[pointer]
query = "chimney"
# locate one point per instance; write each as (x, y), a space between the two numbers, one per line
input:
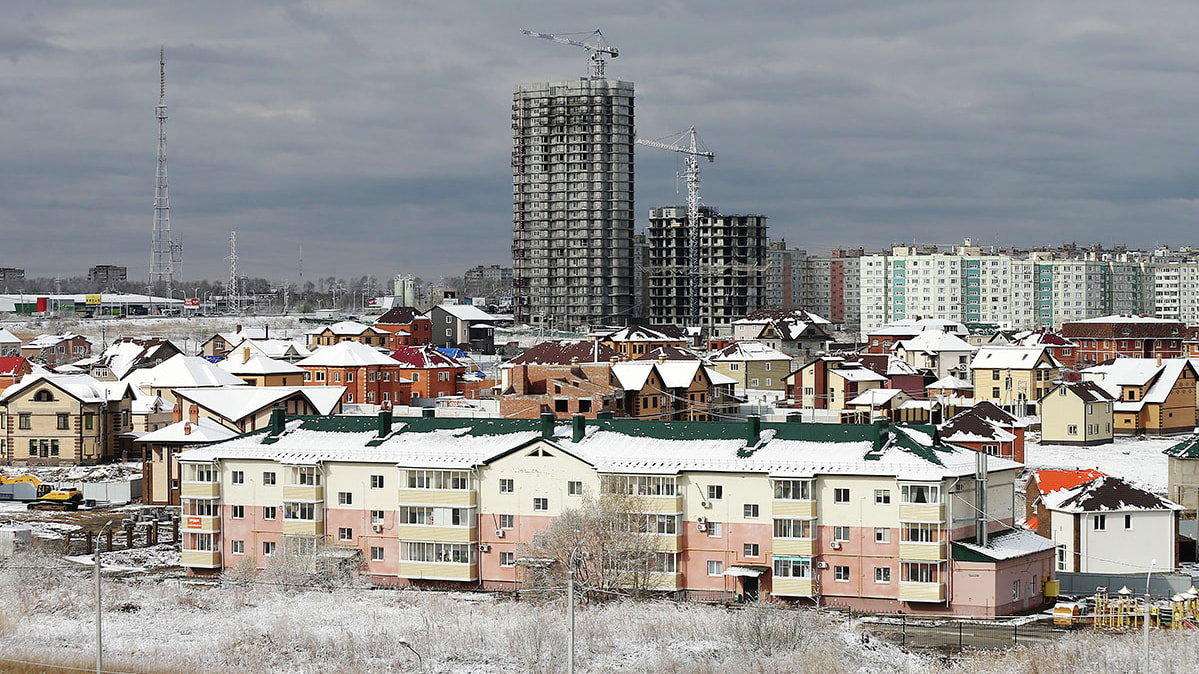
(876, 435)
(278, 418)
(578, 427)
(753, 430)
(574, 360)
(980, 498)
(661, 358)
(547, 425)
(1159, 360)
(238, 330)
(384, 421)
(245, 355)
(187, 428)
(193, 413)
(178, 414)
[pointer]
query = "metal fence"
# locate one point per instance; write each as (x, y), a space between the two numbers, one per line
(959, 635)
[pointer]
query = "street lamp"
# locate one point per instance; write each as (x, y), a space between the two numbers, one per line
(99, 606)
(1148, 573)
(570, 603)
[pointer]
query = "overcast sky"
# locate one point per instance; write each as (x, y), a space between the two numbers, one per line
(377, 134)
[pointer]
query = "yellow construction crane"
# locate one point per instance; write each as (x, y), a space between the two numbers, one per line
(595, 44)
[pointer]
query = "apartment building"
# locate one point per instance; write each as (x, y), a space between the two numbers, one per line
(784, 276)
(1102, 338)
(63, 420)
(105, 276)
(572, 202)
(732, 264)
(869, 517)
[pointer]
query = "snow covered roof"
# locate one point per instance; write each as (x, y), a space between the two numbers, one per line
(348, 328)
(669, 352)
(1106, 494)
(1009, 544)
(7, 337)
(1187, 449)
(1011, 358)
(182, 371)
(1087, 391)
(44, 341)
(86, 388)
(465, 312)
(237, 403)
(633, 374)
(1138, 372)
(204, 430)
(646, 333)
(934, 342)
(346, 354)
(124, 354)
(718, 379)
(10, 366)
(423, 357)
(258, 365)
(1124, 318)
(875, 397)
(748, 351)
(898, 366)
(562, 351)
(912, 326)
(855, 372)
(274, 348)
(952, 383)
(790, 325)
(400, 316)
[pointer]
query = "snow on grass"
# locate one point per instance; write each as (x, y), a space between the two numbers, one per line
(1140, 462)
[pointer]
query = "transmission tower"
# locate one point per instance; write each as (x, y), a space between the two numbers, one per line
(232, 294)
(166, 254)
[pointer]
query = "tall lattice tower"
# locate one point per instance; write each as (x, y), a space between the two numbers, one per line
(166, 254)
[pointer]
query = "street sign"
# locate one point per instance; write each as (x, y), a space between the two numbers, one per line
(191, 302)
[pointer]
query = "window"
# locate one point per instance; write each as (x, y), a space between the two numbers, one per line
(574, 487)
(507, 486)
(664, 562)
(507, 522)
(920, 572)
(715, 530)
(269, 512)
(751, 550)
(1015, 590)
(1100, 522)
(320, 375)
(238, 477)
(237, 547)
(268, 548)
(439, 479)
(345, 534)
(882, 496)
(753, 382)
(305, 512)
(349, 377)
(791, 528)
(541, 504)
(345, 498)
(841, 533)
(376, 554)
(268, 478)
(793, 490)
(507, 559)
(376, 481)
(238, 512)
(882, 574)
(89, 422)
(715, 567)
(734, 367)
(792, 567)
(882, 535)
(715, 492)
(376, 518)
(840, 495)
(750, 510)
(305, 476)
(920, 532)
(1072, 429)
(23, 422)
(337, 377)
(638, 485)
(64, 422)
(841, 573)
(1061, 558)
(1128, 521)
(921, 494)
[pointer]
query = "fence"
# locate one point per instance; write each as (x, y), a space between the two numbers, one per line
(1160, 584)
(958, 635)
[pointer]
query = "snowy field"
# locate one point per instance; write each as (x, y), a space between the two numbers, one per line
(1138, 461)
(186, 333)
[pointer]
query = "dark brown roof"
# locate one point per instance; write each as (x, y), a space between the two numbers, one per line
(561, 352)
(399, 316)
(1109, 493)
(1090, 392)
(971, 425)
(1124, 329)
(990, 412)
(669, 353)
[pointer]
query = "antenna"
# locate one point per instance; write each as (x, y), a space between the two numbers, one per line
(232, 301)
(166, 254)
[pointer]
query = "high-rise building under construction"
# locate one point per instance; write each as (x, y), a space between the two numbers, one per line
(572, 202)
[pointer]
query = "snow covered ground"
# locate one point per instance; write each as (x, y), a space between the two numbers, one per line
(1138, 461)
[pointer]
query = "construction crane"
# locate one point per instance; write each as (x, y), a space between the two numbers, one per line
(597, 47)
(693, 150)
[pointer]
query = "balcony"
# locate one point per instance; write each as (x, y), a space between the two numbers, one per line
(924, 552)
(437, 571)
(302, 527)
(791, 587)
(438, 497)
(421, 532)
(664, 581)
(303, 492)
(801, 547)
(909, 512)
(909, 591)
(666, 542)
(200, 489)
(802, 509)
(201, 558)
(653, 504)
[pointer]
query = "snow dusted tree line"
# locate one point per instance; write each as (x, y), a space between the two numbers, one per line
(272, 621)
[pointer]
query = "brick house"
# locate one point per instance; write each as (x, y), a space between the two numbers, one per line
(799, 334)
(988, 429)
(830, 382)
(367, 373)
(349, 331)
(56, 419)
(433, 374)
(12, 369)
(566, 377)
(257, 370)
(1152, 396)
(1101, 339)
(407, 327)
(55, 350)
(637, 340)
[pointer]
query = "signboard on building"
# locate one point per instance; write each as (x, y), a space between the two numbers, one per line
(191, 302)
(193, 523)
(93, 300)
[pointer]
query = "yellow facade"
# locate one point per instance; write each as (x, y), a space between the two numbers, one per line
(792, 587)
(921, 592)
(438, 571)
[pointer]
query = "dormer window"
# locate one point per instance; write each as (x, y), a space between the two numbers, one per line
(43, 396)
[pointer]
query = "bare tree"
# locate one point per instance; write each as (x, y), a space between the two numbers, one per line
(615, 549)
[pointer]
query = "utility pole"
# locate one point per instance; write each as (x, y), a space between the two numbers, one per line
(99, 606)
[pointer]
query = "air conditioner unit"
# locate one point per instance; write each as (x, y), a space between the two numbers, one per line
(483, 547)
(836, 545)
(499, 533)
(701, 526)
(701, 520)
(821, 565)
(706, 504)
(377, 528)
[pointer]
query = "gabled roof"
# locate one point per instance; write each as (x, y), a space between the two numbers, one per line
(346, 354)
(1141, 371)
(182, 371)
(423, 357)
(876, 396)
(647, 333)
(1040, 338)
(747, 351)
(632, 375)
(1106, 494)
(991, 412)
(1087, 391)
(465, 312)
(258, 365)
(237, 403)
(273, 348)
(7, 337)
(563, 351)
(951, 382)
(125, 354)
(855, 371)
(669, 352)
(966, 427)
(1049, 481)
(1187, 449)
(348, 328)
(11, 366)
(933, 342)
(1013, 358)
(203, 431)
(44, 341)
(1005, 545)
(80, 386)
(1124, 327)
(400, 316)
(913, 326)
(790, 325)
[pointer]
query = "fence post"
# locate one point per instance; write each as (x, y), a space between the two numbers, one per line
(68, 542)
(903, 630)
(1015, 634)
(959, 636)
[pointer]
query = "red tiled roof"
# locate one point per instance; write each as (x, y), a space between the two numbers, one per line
(1053, 480)
(10, 366)
(423, 357)
(1031, 523)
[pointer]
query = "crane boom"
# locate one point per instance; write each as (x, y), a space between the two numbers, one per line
(597, 50)
(691, 149)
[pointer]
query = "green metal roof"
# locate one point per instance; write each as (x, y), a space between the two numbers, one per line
(1187, 449)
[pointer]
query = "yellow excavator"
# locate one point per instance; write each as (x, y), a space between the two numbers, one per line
(43, 497)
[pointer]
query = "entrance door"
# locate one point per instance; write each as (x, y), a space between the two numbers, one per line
(749, 588)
